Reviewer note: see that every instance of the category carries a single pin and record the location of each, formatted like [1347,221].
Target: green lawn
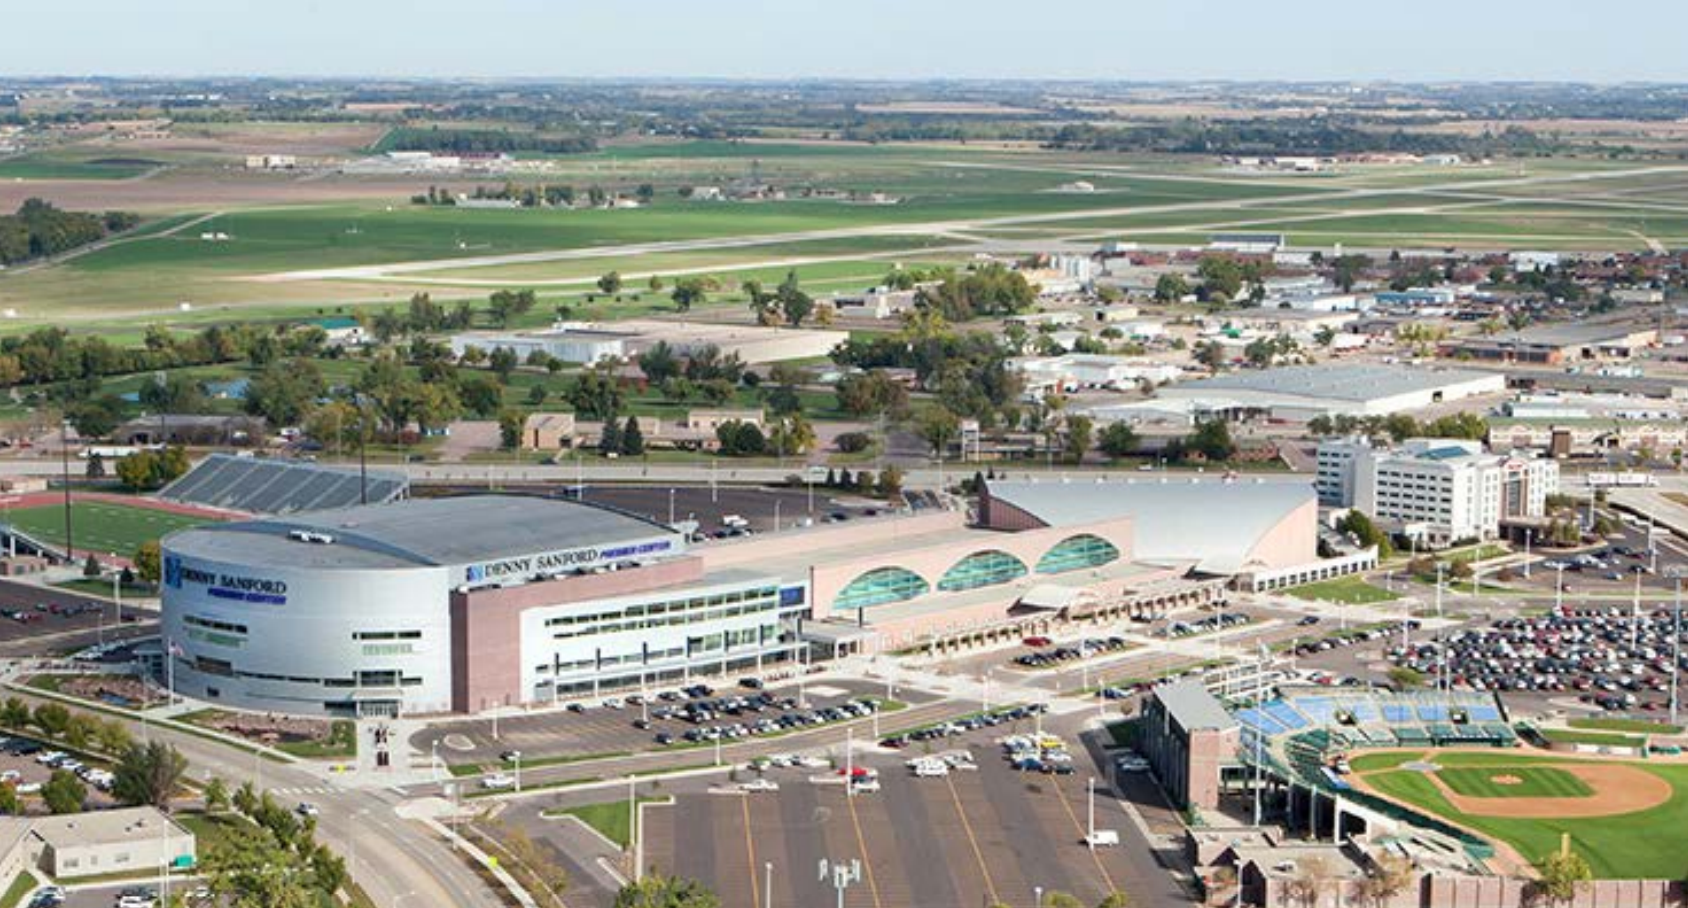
[1535,782]
[612,819]
[99,526]
[1637,726]
[1602,739]
[342,743]
[20,889]
[1646,844]
[1377,761]
[1347,590]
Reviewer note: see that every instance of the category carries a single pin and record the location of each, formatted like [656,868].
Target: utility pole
[64,459]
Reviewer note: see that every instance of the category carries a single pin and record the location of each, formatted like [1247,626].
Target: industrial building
[1436,490]
[1557,344]
[1587,425]
[1299,393]
[1188,737]
[589,342]
[1073,371]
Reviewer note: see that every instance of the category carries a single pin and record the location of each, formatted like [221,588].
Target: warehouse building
[1557,344]
[1300,393]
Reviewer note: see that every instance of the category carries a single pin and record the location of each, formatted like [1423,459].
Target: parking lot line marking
[750,853]
[1062,796]
[861,842]
[967,827]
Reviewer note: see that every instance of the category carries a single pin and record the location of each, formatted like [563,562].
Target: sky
[1130,40]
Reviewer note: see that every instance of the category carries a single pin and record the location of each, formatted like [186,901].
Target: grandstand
[1359,719]
[266,486]
[1298,737]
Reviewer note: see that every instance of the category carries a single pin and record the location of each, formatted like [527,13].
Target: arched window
[879,586]
[1076,553]
[981,569]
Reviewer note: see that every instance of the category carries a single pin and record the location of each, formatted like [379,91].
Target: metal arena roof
[1349,382]
[419,532]
[1213,523]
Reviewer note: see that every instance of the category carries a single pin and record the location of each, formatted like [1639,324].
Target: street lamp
[843,875]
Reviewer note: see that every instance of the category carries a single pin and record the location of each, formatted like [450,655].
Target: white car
[927,769]
[760,785]
[498,781]
[306,810]
[864,786]
[1101,838]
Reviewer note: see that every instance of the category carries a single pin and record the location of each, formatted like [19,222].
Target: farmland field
[352,240]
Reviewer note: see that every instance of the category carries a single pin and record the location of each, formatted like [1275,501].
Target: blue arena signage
[225,586]
[550,562]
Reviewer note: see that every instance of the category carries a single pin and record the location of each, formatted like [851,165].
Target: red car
[1037,641]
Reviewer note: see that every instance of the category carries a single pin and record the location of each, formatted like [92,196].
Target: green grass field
[1634,726]
[1601,739]
[1645,844]
[1347,590]
[613,820]
[99,526]
[1534,782]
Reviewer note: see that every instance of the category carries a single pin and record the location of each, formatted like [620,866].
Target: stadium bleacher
[266,486]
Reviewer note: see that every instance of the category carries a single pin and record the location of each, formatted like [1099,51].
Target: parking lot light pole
[768,884]
[1091,817]
[1675,649]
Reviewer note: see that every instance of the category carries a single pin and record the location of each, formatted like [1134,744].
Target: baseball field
[1625,817]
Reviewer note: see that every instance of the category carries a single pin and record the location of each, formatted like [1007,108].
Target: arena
[459,605]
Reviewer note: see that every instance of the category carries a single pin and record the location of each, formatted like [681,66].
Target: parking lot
[989,835]
[24,765]
[29,612]
[758,505]
[597,729]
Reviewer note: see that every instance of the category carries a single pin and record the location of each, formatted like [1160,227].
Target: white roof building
[1299,393]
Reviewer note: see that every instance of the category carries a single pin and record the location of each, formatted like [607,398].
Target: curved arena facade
[451,605]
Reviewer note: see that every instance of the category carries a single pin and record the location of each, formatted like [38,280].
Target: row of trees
[39,229]
[274,861]
[149,774]
[1398,427]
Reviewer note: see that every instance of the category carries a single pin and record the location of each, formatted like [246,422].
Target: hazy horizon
[870,40]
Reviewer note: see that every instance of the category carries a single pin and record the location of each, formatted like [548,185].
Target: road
[396,860]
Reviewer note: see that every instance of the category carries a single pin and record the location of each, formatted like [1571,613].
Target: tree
[10,804]
[794,304]
[96,466]
[791,435]
[632,438]
[1115,900]
[596,394]
[505,305]
[657,891]
[609,441]
[851,443]
[689,292]
[284,391]
[1170,288]
[659,363]
[1366,532]
[1210,354]
[1117,440]
[610,283]
[15,713]
[871,393]
[1213,439]
[51,718]
[1079,432]
[216,795]
[1561,874]
[740,439]
[939,428]
[91,566]
[1059,899]
[1220,276]
[253,867]
[503,362]
[64,792]
[149,774]
[890,483]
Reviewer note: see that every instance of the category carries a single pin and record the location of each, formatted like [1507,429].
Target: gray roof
[1214,523]
[1351,382]
[1193,708]
[1569,334]
[420,532]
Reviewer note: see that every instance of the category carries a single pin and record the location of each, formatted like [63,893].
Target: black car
[664,738]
